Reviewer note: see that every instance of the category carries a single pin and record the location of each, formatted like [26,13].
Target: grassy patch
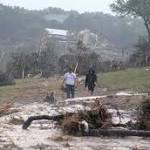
[13,90]
[30,87]
[134,79]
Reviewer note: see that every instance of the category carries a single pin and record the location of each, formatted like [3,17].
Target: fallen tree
[97,117]
[118,132]
[94,122]
[92,132]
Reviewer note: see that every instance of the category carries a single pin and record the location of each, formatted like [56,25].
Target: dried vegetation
[97,117]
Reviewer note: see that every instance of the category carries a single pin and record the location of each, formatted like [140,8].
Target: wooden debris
[118,132]
[98,120]
[28,122]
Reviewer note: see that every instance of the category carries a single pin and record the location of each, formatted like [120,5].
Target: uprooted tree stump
[97,117]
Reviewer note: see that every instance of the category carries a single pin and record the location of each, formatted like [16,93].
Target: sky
[79,5]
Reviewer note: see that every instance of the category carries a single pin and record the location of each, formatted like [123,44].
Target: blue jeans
[70,91]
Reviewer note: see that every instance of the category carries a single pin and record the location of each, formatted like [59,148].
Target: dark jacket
[91,78]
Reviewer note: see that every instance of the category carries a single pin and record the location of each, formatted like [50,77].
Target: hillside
[20,25]
[21,29]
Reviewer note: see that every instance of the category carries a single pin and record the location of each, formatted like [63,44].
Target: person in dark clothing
[91,79]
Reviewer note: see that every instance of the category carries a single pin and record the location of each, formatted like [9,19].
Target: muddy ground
[28,100]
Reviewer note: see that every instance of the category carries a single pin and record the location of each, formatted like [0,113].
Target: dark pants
[91,87]
[70,91]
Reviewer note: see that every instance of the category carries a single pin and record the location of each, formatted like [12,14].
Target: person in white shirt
[70,81]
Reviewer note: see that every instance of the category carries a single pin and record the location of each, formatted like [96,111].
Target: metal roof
[57,32]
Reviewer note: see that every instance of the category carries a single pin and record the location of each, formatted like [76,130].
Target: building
[58,34]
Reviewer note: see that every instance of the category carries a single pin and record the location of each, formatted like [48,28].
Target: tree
[22,63]
[81,48]
[86,60]
[47,61]
[18,65]
[142,56]
[77,50]
[47,56]
[137,8]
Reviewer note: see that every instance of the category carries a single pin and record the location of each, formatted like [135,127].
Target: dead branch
[28,122]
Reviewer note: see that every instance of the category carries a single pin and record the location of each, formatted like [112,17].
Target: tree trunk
[118,132]
[147,25]
[22,74]
[75,70]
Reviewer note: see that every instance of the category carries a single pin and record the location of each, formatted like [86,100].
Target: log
[28,122]
[118,132]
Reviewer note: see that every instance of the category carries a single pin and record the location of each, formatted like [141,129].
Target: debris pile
[81,122]
[92,119]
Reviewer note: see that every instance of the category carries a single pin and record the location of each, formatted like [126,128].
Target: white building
[57,33]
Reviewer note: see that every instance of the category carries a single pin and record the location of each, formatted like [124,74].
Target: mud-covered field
[46,136]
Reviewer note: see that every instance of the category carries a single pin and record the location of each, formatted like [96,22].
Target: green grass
[13,90]
[134,79]
[23,87]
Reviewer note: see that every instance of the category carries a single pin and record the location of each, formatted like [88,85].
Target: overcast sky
[79,5]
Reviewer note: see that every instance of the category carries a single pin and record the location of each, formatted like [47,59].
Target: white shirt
[70,78]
